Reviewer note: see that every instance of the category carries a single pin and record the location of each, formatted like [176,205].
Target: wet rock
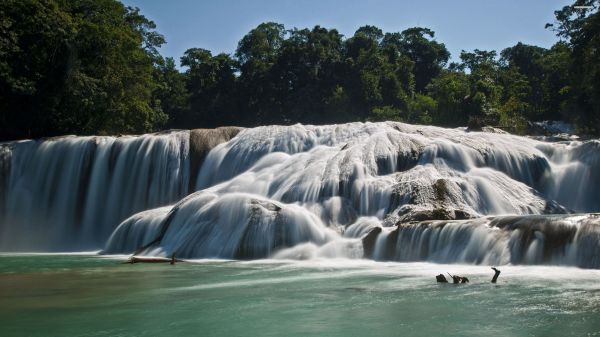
[266,205]
[462,215]
[247,248]
[204,140]
[491,129]
[369,241]
[391,245]
[411,214]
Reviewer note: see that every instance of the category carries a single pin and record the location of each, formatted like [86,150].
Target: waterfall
[305,191]
[541,239]
[227,226]
[69,193]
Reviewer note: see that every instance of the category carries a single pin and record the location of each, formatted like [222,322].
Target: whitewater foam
[303,188]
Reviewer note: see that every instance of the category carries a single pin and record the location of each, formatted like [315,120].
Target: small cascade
[574,177]
[206,225]
[556,239]
[138,230]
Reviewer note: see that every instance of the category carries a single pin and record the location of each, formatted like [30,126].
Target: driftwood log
[152,259]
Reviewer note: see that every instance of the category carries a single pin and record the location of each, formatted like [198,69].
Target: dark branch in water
[496,274]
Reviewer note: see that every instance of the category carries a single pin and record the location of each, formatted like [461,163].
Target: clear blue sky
[460,24]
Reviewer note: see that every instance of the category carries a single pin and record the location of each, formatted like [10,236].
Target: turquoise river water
[90,295]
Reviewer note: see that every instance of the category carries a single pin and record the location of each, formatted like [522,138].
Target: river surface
[90,295]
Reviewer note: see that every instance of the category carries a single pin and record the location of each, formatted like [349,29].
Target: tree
[580,27]
[171,93]
[76,67]
[307,75]
[557,81]
[211,85]
[450,90]
[378,77]
[90,67]
[541,75]
[35,40]
[256,53]
[485,88]
[428,55]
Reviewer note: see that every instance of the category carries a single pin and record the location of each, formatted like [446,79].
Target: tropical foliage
[93,67]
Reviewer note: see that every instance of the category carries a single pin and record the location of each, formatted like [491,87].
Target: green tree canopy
[428,55]
[76,66]
[94,67]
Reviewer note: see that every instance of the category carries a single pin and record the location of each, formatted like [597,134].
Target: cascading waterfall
[69,193]
[232,225]
[389,191]
[542,239]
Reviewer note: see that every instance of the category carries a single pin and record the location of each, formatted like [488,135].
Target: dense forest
[93,67]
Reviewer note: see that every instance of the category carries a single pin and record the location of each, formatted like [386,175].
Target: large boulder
[204,140]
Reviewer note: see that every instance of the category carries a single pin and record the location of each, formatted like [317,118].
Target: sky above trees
[460,24]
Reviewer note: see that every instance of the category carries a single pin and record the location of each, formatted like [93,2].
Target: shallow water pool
[90,295]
